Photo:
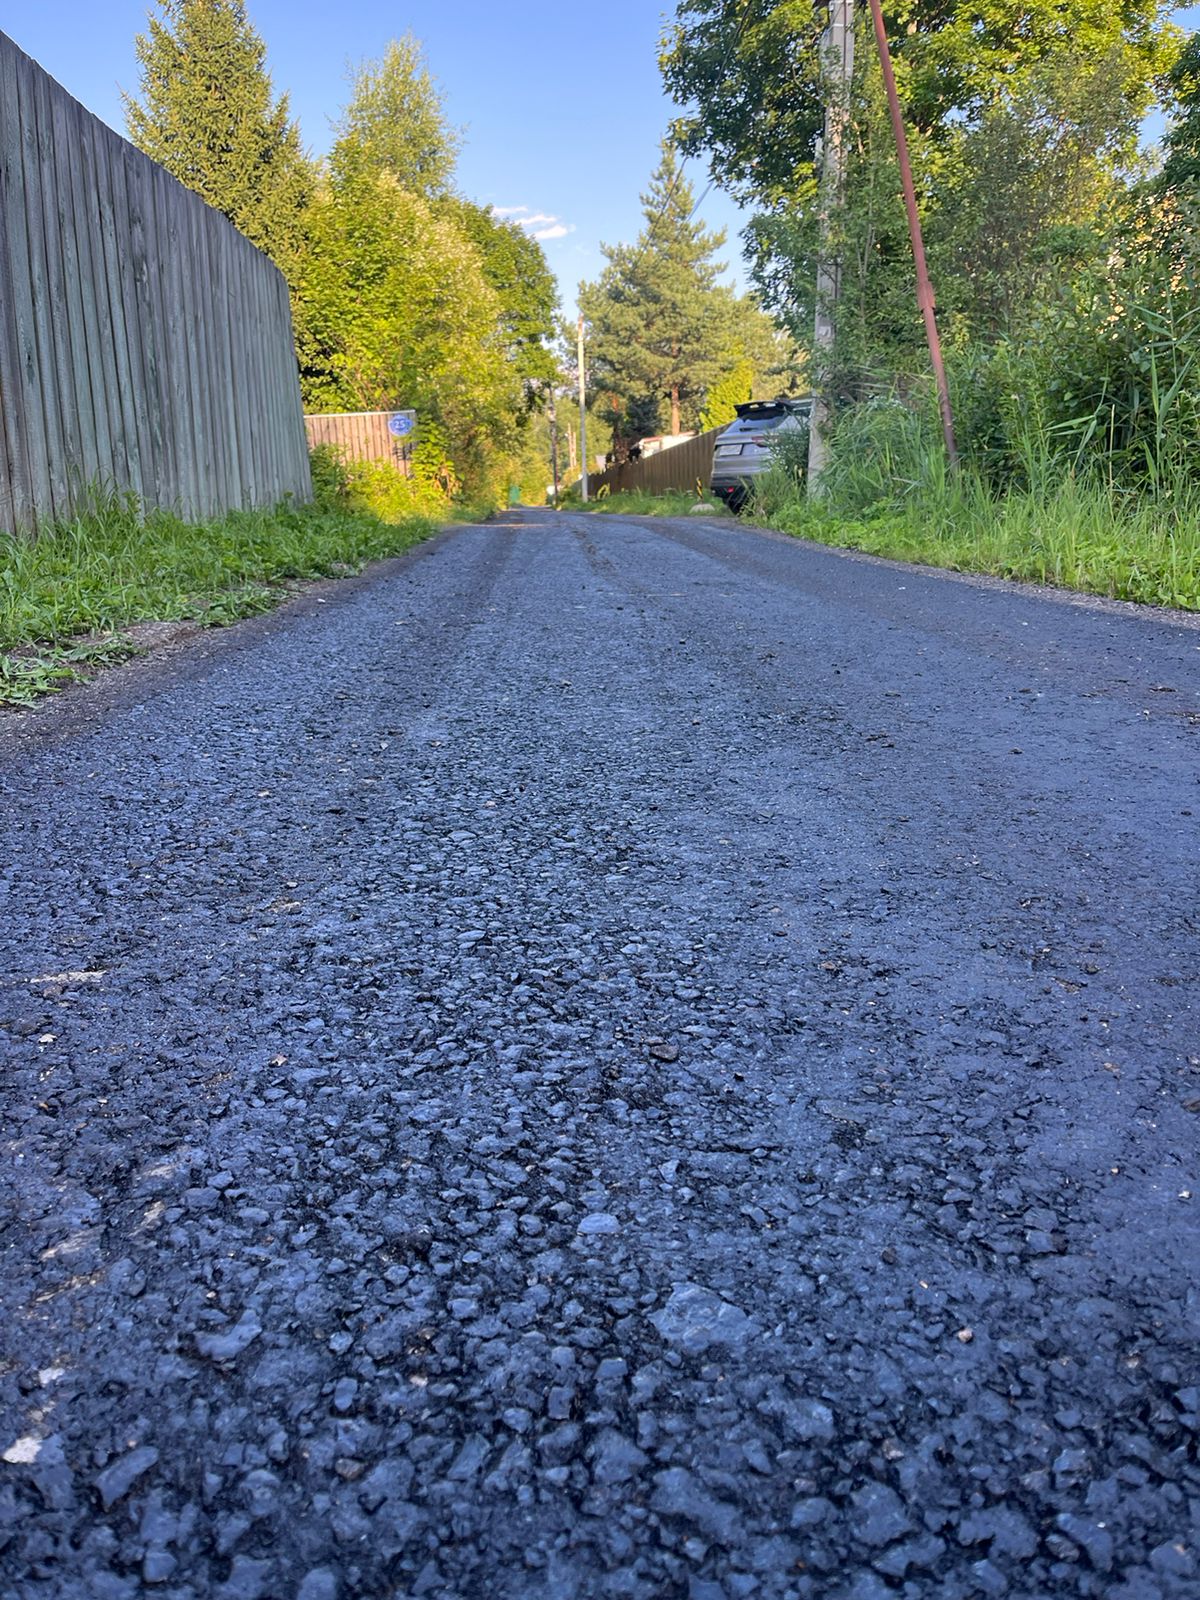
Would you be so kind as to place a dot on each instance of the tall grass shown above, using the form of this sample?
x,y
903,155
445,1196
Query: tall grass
x,y
113,566
1079,534
1059,514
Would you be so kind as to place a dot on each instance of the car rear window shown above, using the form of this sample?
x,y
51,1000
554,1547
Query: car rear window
x,y
758,424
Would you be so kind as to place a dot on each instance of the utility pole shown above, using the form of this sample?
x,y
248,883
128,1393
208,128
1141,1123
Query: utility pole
x,y
837,71
554,442
582,416
925,298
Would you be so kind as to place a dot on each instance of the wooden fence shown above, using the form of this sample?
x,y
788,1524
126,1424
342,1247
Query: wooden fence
x,y
681,467
145,344
364,436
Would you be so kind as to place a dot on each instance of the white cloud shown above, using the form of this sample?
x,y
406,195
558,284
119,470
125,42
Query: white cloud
x,y
541,225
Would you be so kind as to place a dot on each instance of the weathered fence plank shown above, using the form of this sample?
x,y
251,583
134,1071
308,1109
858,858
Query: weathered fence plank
x,y
145,345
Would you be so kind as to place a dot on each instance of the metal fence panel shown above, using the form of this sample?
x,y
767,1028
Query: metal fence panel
x,y
685,466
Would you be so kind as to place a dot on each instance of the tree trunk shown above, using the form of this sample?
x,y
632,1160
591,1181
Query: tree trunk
x,y
675,410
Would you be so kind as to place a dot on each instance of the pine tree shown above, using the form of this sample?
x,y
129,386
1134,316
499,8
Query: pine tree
x,y
663,331
207,112
651,311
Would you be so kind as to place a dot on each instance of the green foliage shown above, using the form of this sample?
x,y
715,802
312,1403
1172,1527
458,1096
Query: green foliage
x,y
1082,535
411,297
394,311
728,392
1035,500
1023,118
207,113
1182,165
670,503
749,71
378,488
115,567
331,478
651,314
395,122
514,266
787,471
405,295
32,673
1104,377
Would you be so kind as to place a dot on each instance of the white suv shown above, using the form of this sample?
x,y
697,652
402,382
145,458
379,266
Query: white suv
x,y
743,450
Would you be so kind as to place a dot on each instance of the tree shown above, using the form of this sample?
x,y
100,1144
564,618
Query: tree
x,y
750,73
394,311
1033,179
657,318
396,121
1182,165
515,267
1023,116
208,113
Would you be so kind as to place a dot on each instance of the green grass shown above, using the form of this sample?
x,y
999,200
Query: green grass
x,y
66,595
640,503
1071,533
1074,535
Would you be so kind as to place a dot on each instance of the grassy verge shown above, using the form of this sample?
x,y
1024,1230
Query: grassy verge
x,y
1074,535
640,503
66,596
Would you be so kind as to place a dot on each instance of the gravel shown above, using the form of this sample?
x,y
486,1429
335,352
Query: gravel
x,y
607,1059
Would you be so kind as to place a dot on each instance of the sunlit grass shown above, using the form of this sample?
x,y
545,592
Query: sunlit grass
x,y
1075,535
641,503
66,595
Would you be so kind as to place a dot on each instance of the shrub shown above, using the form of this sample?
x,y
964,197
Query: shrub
x,y
331,478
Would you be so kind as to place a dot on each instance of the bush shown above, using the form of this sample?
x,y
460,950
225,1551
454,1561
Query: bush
x,y
378,488
332,489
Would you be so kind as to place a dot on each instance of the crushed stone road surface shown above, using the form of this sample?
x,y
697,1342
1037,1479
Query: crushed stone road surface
x,y
609,1059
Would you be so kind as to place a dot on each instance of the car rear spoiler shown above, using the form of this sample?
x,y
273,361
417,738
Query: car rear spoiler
x,y
755,409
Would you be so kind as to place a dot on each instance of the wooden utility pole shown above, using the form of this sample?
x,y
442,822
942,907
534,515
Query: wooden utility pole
x,y
837,72
925,297
583,483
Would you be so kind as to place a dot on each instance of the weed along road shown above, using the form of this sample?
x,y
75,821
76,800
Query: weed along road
x,y
608,1058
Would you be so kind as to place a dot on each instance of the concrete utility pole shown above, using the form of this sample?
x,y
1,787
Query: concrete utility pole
x,y
837,69
582,415
925,299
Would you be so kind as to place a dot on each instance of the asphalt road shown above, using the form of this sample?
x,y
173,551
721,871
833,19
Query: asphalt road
x,y
608,1059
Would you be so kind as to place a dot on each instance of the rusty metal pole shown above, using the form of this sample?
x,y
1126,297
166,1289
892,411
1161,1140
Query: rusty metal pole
x,y
925,298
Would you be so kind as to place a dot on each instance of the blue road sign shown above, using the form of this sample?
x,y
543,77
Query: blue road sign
x,y
402,423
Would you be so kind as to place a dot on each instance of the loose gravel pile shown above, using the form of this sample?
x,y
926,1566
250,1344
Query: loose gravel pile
x,y
609,1060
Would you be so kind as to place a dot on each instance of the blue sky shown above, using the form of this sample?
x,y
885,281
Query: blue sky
x,y
552,123
562,102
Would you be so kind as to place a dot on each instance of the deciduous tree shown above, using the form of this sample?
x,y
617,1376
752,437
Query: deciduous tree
x,y
396,121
